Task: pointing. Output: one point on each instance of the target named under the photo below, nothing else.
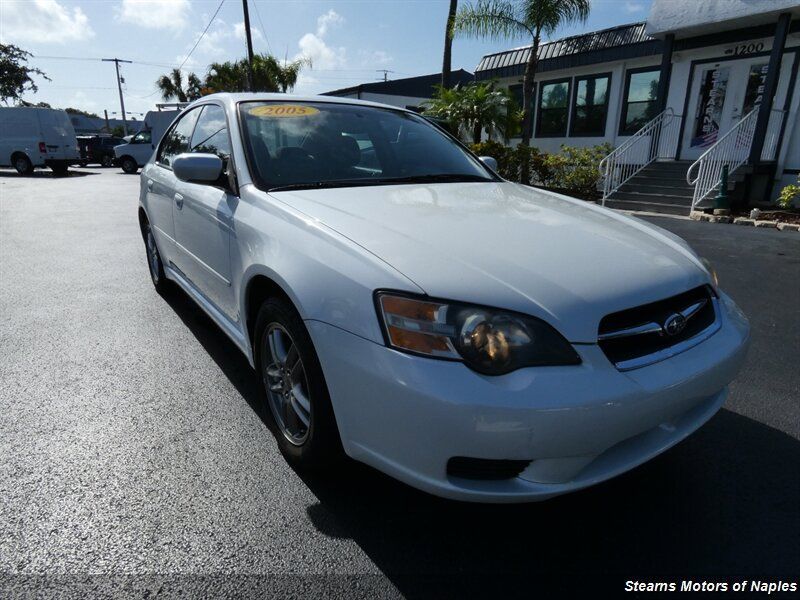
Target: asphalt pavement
(137, 459)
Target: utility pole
(116, 62)
(249, 46)
(385, 73)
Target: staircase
(642, 175)
(661, 188)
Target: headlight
(487, 340)
(712, 272)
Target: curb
(762, 224)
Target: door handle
(179, 201)
(149, 185)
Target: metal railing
(732, 149)
(772, 135)
(657, 139)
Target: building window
(641, 100)
(553, 113)
(517, 95)
(590, 107)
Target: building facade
(410, 92)
(708, 77)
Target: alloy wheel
(287, 385)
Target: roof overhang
(688, 18)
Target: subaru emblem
(674, 324)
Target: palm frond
(547, 16)
(491, 19)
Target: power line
(260, 22)
(216, 12)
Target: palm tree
(269, 75)
(472, 109)
(447, 66)
(496, 19)
(171, 86)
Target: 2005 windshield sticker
(283, 111)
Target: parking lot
(136, 453)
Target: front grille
(483, 468)
(646, 334)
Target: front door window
(713, 87)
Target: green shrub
(789, 195)
(511, 160)
(574, 170)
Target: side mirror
(199, 168)
(489, 162)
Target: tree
(269, 75)
(496, 19)
(78, 111)
(15, 75)
(474, 108)
(447, 66)
(171, 86)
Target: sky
(348, 41)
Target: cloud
(330, 18)
(155, 14)
(375, 57)
(238, 32)
(633, 7)
(43, 21)
(314, 48)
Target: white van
(138, 151)
(36, 137)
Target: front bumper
(579, 425)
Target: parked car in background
(475, 338)
(37, 137)
(98, 149)
(139, 149)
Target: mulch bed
(781, 216)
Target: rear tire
(23, 165)
(295, 388)
(129, 165)
(154, 263)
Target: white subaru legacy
(404, 305)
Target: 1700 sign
(744, 49)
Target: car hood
(505, 245)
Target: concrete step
(655, 207)
(645, 187)
(657, 198)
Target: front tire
(154, 264)
(129, 165)
(106, 161)
(23, 165)
(295, 387)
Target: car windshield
(316, 144)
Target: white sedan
(402, 304)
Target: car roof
(231, 100)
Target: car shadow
(723, 503)
(45, 174)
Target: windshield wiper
(429, 178)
